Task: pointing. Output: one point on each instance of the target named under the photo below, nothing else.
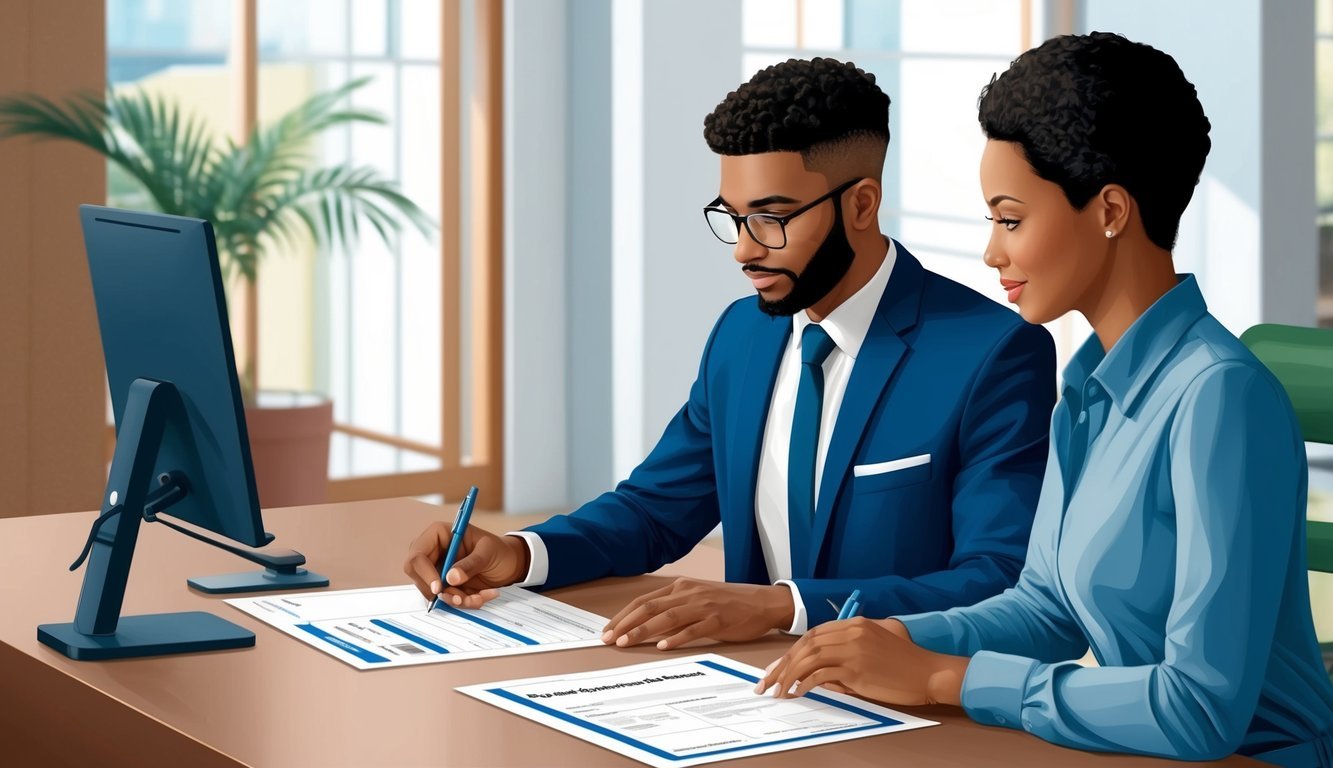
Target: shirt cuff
(994, 687)
(538, 564)
(800, 620)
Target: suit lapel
(749, 419)
(881, 353)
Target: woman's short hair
(1098, 109)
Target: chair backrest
(1302, 360)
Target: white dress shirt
(847, 325)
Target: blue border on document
(339, 643)
(475, 618)
(397, 630)
(880, 720)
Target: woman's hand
(872, 659)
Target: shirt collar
(1127, 368)
(849, 322)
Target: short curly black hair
(1098, 109)
(798, 106)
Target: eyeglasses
(766, 229)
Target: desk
(283, 703)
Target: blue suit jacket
(943, 371)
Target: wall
(608, 311)
(610, 308)
(1249, 233)
(52, 390)
(535, 210)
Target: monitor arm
(173, 487)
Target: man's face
(776, 183)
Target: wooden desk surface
(283, 703)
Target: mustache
(769, 270)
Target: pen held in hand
(852, 606)
(460, 526)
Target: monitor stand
(98, 630)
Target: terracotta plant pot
(289, 443)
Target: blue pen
(460, 525)
(852, 606)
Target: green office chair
(1302, 359)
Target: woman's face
(1049, 255)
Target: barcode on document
(408, 649)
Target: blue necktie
(815, 347)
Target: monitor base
(148, 635)
(266, 580)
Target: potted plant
(258, 196)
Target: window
(363, 325)
(399, 335)
(172, 49)
(932, 59)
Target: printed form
(689, 711)
(387, 627)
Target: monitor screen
(163, 316)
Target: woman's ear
(862, 209)
(1115, 206)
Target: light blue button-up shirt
(1170, 538)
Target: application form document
(389, 626)
(688, 711)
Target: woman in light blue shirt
(1169, 537)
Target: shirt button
(1000, 719)
(1083, 417)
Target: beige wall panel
(51, 386)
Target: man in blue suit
(861, 423)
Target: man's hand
(690, 609)
(484, 562)
(872, 659)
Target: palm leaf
(263, 189)
(263, 192)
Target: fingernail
(622, 641)
(662, 645)
(759, 687)
(435, 587)
(606, 636)
(458, 600)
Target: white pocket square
(861, 470)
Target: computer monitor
(181, 442)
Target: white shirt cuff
(800, 622)
(538, 564)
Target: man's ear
(861, 209)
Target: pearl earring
(1109, 234)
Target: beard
(826, 268)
